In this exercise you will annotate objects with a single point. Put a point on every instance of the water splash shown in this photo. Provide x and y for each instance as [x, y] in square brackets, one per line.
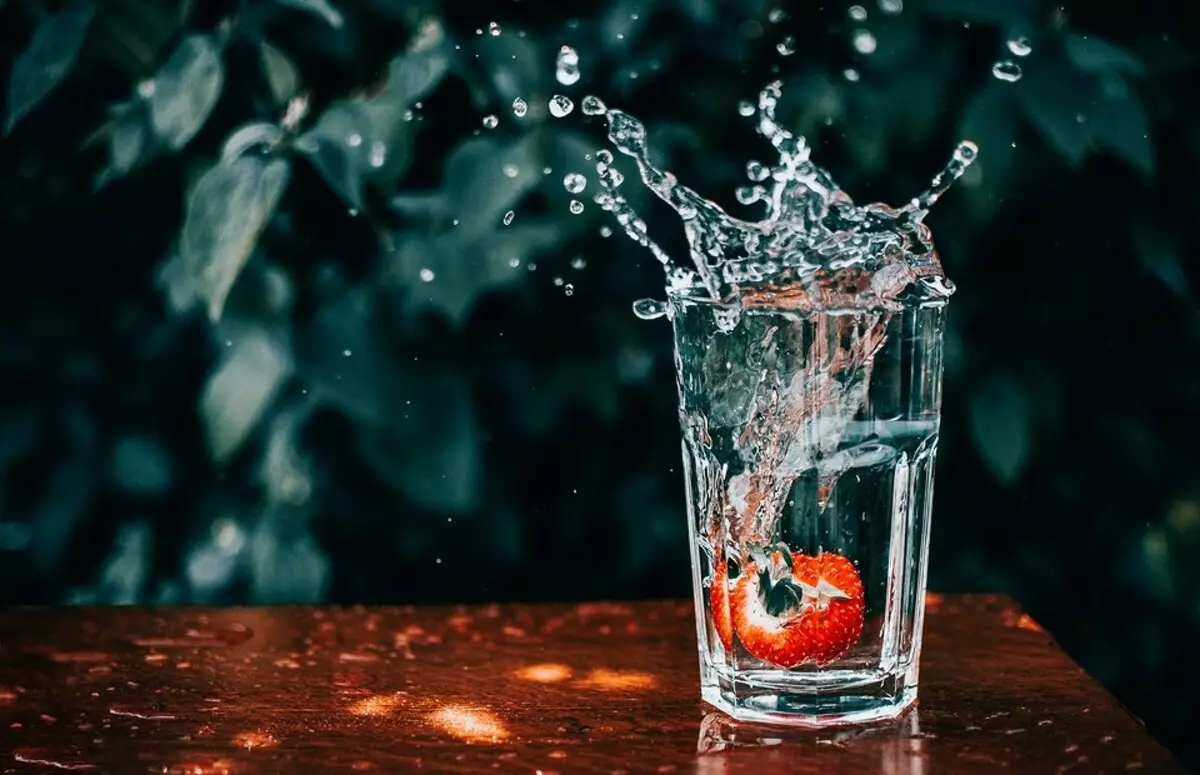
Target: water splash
[561, 105]
[1007, 70]
[566, 69]
[519, 107]
[814, 249]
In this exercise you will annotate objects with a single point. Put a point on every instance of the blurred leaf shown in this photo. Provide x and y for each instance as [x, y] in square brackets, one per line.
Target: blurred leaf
[1057, 101]
[1095, 55]
[1119, 122]
[322, 9]
[418, 71]
[477, 186]
[227, 209]
[286, 564]
[516, 67]
[282, 75]
[261, 134]
[254, 368]
[1159, 256]
[126, 572]
[436, 462]
[1013, 12]
[45, 63]
[186, 89]
[139, 465]
[285, 472]
[339, 147]
[130, 143]
[1000, 425]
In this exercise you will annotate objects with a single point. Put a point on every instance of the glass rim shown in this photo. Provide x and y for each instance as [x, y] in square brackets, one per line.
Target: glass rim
[692, 297]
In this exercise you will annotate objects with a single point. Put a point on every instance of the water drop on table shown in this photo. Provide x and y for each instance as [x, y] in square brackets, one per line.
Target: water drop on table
[649, 309]
[491, 122]
[560, 105]
[519, 107]
[576, 207]
[574, 182]
[567, 66]
[1007, 70]
[1020, 46]
[864, 42]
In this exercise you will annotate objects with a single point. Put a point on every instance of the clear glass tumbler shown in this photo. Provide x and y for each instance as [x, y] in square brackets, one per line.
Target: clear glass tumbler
[808, 444]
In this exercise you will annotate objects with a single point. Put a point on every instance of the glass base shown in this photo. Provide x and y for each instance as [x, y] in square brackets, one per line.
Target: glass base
[837, 698]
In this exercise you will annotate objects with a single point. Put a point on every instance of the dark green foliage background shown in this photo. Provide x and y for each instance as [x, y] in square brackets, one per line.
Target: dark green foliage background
[223, 378]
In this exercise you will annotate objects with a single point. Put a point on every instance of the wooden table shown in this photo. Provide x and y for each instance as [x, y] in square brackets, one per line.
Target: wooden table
[603, 688]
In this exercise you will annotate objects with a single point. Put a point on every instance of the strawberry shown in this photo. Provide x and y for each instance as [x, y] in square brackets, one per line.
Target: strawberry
[788, 608]
[718, 604]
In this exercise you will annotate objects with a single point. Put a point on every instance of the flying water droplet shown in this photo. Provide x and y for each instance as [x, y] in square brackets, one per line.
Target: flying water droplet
[558, 281]
[606, 231]
[858, 13]
[519, 107]
[787, 46]
[593, 106]
[573, 182]
[514, 262]
[578, 262]
[569, 289]
[511, 170]
[1020, 46]
[649, 309]
[776, 15]
[864, 42]
[508, 217]
[746, 108]
[561, 105]
[426, 277]
[567, 67]
[493, 29]
[378, 154]
[892, 7]
[1007, 70]
[490, 122]
[354, 140]
[757, 171]
[576, 207]
[850, 74]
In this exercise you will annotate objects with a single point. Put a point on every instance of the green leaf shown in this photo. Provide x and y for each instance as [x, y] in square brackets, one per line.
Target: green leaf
[260, 134]
[253, 369]
[516, 68]
[45, 63]
[1000, 425]
[285, 562]
[185, 90]
[1119, 123]
[1058, 101]
[282, 75]
[319, 8]
[130, 142]
[1095, 55]
[418, 71]
[227, 209]
[477, 186]
[340, 147]
[986, 11]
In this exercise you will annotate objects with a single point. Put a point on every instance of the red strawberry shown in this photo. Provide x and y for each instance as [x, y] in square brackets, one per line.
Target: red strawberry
[789, 608]
[718, 604]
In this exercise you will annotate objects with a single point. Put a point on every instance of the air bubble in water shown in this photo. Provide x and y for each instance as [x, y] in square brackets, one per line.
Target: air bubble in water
[426, 276]
[746, 108]
[593, 106]
[787, 46]
[573, 182]
[1007, 70]
[576, 207]
[511, 170]
[858, 13]
[560, 105]
[493, 29]
[567, 67]
[864, 42]
[1020, 46]
[508, 217]
[491, 122]
[891, 6]
[649, 309]
[519, 107]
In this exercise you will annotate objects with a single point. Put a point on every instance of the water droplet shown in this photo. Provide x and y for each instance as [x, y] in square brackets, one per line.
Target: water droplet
[354, 140]
[576, 207]
[426, 277]
[850, 74]
[511, 170]
[578, 262]
[569, 289]
[1007, 70]
[567, 67]
[787, 46]
[649, 309]
[508, 217]
[606, 231]
[757, 171]
[145, 88]
[493, 29]
[892, 7]
[747, 195]
[514, 262]
[593, 106]
[604, 156]
[858, 13]
[864, 42]
[378, 154]
[491, 122]
[561, 105]
[531, 266]
[776, 15]
[558, 281]
[348, 353]
[746, 108]
[519, 107]
[1020, 46]
[574, 182]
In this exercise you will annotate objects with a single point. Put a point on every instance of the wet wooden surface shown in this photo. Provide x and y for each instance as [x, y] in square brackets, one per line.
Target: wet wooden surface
[512, 689]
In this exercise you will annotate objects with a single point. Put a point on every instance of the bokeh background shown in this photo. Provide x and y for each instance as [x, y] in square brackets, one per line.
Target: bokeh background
[266, 337]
